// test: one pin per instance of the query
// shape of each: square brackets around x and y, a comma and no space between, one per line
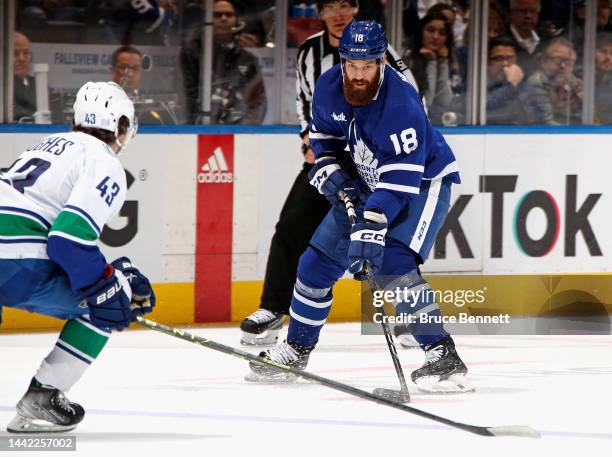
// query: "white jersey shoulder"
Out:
[65,172]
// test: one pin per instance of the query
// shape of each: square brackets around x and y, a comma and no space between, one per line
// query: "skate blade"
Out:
[454,384]
[280,378]
[22,424]
[267,338]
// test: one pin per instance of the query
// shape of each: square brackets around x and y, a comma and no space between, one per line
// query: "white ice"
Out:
[153,394]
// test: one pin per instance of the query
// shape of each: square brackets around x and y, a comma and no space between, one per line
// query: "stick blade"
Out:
[398,396]
[514,430]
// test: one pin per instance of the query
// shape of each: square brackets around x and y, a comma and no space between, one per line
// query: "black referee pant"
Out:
[303,211]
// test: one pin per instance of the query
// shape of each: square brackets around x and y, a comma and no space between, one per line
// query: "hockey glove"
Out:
[109,300]
[143,297]
[329,179]
[367,244]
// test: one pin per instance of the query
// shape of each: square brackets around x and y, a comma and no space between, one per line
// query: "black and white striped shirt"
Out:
[316,56]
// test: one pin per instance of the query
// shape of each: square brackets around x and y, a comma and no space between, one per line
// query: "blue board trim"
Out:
[294,129]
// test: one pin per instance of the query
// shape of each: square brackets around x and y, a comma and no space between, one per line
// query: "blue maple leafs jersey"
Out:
[391,140]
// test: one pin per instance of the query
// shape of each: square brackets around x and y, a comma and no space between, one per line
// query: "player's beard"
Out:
[360,96]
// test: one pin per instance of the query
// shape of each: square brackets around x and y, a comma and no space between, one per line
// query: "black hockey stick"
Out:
[503,430]
[402,395]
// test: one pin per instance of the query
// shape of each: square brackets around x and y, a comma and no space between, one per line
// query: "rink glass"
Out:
[77,40]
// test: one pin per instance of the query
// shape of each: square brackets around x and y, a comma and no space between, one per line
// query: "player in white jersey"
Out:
[54,201]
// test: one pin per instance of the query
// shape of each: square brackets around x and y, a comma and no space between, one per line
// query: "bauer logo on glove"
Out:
[108,294]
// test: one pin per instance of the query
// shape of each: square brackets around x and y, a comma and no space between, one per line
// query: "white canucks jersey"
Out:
[66,187]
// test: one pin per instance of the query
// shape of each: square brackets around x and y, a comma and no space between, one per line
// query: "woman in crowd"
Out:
[433,62]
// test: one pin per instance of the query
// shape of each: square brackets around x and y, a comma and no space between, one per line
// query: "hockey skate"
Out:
[404,337]
[261,328]
[443,371]
[45,409]
[288,354]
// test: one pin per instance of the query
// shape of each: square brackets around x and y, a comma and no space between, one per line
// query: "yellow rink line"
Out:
[518,295]
[174,306]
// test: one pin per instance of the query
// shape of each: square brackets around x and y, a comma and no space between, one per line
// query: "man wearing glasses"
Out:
[553,94]
[504,83]
[238,92]
[127,71]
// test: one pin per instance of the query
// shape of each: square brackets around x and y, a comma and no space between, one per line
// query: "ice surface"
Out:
[158,395]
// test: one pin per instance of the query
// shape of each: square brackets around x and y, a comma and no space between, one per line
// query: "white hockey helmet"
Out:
[100,105]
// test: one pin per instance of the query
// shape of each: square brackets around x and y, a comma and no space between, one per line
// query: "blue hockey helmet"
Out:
[363,40]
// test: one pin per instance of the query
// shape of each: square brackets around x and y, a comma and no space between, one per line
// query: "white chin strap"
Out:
[128,137]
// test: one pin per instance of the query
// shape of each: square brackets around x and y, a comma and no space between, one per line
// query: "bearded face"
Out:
[361,78]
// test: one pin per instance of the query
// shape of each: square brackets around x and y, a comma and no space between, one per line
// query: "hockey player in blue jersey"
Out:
[402,196]
[54,201]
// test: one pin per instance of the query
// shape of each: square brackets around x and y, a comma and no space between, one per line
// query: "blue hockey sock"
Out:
[425,333]
[309,310]
[427,327]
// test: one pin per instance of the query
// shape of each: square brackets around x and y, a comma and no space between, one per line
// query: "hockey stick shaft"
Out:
[387,333]
[511,430]
[352,214]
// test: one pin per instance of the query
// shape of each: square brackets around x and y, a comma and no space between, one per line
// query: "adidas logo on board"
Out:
[215,170]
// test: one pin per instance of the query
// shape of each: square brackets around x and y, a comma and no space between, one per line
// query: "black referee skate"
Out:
[443,371]
[45,409]
[261,328]
[290,354]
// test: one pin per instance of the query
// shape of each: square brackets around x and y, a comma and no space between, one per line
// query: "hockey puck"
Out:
[398,396]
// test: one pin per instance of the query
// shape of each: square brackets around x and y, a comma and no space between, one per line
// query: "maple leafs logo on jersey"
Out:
[366,163]
[366,156]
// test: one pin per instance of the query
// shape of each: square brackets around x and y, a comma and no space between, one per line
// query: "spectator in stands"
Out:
[524,15]
[496,25]
[603,79]
[445,9]
[127,70]
[553,94]
[139,21]
[24,94]
[504,83]
[433,62]
[575,30]
[238,93]
[496,28]
[415,10]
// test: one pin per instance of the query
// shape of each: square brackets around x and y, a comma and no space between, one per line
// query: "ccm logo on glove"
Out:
[370,236]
